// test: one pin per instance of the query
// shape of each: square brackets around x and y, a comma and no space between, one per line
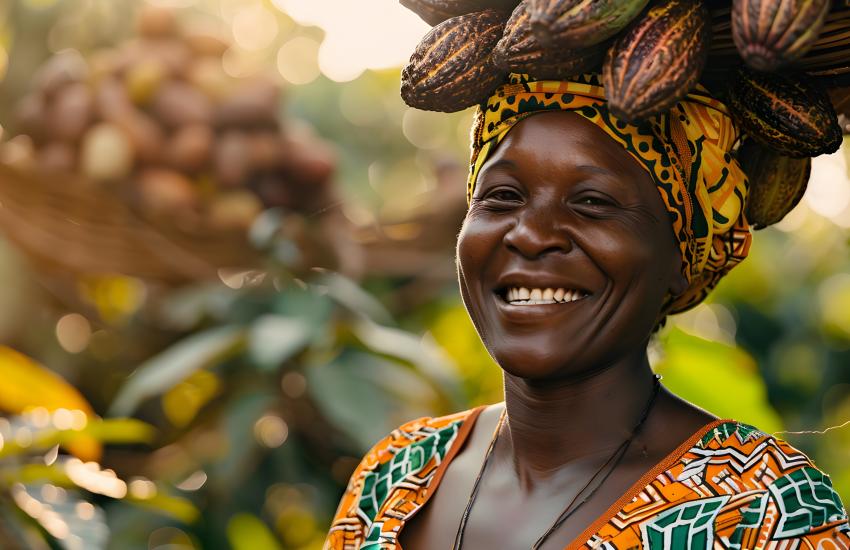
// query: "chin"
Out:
[530,360]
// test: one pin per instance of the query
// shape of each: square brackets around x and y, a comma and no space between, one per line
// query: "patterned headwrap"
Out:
[686,150]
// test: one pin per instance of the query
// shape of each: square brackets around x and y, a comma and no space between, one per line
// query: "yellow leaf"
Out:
[28,385]
[183,401]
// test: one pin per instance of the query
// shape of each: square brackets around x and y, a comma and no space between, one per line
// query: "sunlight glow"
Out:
[368,34]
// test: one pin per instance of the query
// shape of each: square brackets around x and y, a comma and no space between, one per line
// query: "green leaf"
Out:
[172,506]
[348,294]
[248,532]
[272,339]
[115,431]
[424,354]
[176,363]
[367,396]
[720,378]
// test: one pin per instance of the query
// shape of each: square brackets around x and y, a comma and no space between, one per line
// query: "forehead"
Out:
[556,142]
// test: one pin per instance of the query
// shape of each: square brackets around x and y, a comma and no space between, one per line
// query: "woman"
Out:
[567,263]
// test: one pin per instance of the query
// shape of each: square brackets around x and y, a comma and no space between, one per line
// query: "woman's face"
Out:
[566,252]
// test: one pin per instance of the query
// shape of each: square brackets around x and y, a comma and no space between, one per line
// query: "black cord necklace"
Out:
[572,506]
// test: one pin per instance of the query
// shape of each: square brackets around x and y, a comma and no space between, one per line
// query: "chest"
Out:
[505,516]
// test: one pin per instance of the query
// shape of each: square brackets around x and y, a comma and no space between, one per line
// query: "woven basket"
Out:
[67,225]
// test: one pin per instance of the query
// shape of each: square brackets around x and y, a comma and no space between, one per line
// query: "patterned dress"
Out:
[728,486]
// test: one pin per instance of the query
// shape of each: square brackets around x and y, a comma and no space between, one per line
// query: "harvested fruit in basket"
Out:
[159,120]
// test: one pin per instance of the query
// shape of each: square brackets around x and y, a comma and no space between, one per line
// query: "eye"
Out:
[594,200]
[501,196]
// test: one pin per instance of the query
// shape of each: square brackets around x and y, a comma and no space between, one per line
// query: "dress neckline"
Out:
[662,466]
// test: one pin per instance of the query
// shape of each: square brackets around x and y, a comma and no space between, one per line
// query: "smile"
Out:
[522,296]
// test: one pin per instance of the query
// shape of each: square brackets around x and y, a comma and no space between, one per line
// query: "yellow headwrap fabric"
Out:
[686,150]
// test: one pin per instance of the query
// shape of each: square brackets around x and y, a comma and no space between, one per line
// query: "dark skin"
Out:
[560,204]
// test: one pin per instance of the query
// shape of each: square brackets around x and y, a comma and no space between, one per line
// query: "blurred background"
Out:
[226,270]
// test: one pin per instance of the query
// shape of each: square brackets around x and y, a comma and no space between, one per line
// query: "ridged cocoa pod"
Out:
[659,59]
[435,12]
[519,51]
[452,68]
[777,183]
[790,114]
[770,34]
[580,23]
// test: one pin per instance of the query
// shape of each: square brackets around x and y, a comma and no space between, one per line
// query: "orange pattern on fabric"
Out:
[729,486]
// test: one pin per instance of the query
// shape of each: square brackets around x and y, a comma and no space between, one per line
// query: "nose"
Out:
[536,234]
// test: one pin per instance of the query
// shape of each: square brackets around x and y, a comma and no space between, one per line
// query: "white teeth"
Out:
[535,296]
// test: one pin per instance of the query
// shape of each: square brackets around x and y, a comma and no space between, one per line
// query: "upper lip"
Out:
[518,279]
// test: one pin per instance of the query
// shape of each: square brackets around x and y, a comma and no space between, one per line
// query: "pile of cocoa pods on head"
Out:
[158,119]
[781,66]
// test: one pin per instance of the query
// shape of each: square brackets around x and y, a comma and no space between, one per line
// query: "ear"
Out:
[678,281]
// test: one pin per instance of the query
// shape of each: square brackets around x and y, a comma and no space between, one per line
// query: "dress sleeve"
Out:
[804,511]
[349,528]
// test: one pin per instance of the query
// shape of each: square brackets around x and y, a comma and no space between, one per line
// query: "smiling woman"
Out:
[583,233]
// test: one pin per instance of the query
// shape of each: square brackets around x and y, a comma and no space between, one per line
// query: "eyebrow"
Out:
[501,163]
[596,169]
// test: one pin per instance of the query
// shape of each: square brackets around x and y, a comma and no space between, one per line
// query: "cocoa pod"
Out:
[190,147]
[156,21]
[452,67]
[234,210]
[165,191]
[106,153]
[777,183]
[64,68]
[435,12]
[790,114]
[519,51]
[70,112]
[771,34]
[580,23]
[57,157]
[29,116]
[659,59]
[231,159]
[177,103]
[252,104]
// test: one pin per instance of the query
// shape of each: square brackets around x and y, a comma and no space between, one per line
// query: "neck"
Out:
[551,424]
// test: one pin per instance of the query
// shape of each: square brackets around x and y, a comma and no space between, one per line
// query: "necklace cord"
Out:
[615,458]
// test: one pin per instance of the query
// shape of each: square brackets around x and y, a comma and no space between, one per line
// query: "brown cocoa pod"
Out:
[163,191]
[777,183]
[111,99]
[29,116]
[770,34]
[70,112]
[790,113]
[435,12]
[658,60]
[190,148]
[580,23]
[253,104]
[144,134]
[519,51]
[232,159]
[234,210]
[178,104]
[266,150]
[452,67]
[57,157]
[65,67]
[205,43]
[207,74]
[156,21]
